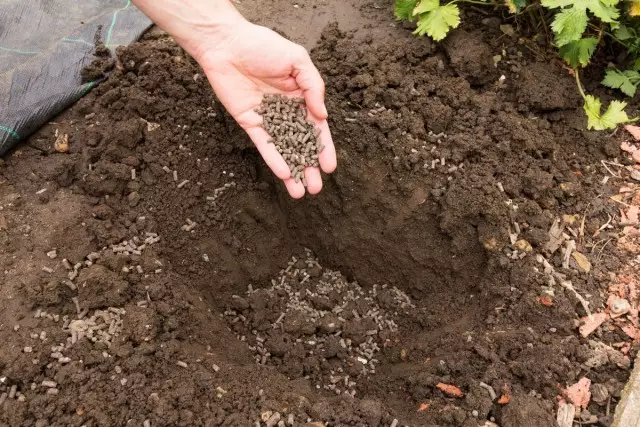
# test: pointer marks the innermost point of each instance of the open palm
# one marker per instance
(257, 62)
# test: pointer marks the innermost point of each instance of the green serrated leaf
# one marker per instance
(404, 9)
(571, 21)
(569, 24)
(426, 6)
(592, 107)
(606, 10)
(552, 4)
(627, 81)
(612, 117)
(615, 115)
(578, 53)
(437, 23)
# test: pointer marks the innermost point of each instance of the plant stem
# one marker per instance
(580, 89)
(608, 34)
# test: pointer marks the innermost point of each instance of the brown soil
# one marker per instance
(426, 135)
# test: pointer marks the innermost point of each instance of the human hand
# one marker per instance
(251, 61)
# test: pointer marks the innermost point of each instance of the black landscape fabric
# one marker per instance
(44, 44)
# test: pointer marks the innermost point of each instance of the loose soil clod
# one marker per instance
(295, 137)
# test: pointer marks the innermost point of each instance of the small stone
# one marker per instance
(507, 30)
(133, 198)
(599, 394)
(587, 417)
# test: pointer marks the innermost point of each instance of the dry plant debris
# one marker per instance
(295, 137)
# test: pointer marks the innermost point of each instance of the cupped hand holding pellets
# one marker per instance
(244, 62)
(260, 62)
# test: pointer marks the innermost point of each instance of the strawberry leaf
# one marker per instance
(578, 53)
(438, 22)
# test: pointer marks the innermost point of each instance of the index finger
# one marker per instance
(310, 82)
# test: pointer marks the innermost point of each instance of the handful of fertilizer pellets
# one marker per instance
(295, 137)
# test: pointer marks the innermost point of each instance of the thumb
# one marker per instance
(309, 80)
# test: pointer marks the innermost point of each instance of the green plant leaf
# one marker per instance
(515, 6)
(606, 10)
(578, 53)
(438, 22)
(627, 81)
(571, 21)
(426, 6)
(623, 33)
(569, 24)
(611, 118)
(552, 4)
(404, 9)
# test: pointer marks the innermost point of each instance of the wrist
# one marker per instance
(196, 25)
(211, 37)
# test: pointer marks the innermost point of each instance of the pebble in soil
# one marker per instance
(295, 137)
(313, 323)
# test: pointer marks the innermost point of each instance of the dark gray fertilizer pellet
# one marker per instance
(295, 137)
